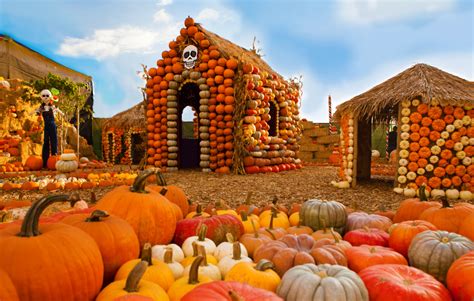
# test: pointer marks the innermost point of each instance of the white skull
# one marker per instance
(190, 54)
(46, 95)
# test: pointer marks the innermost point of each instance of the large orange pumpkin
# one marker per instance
(34, 162)
(8, 290)
(448, 218)
(403, 233)
(39, 258)
(149, 213)
(361, 257)
(460, 278)
(467, 227)
(173, 193)
(411, 209)
(116, 239)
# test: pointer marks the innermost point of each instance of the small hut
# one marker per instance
(435, 138)
(124, 136)
(247, 114)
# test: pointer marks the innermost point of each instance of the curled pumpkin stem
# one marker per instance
(97, 215)
(133, 279)
(140, 181)
(146, 254)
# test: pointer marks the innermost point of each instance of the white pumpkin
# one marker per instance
(420, 171)
(458, 146)
(465, 140)
(350, 165)
(402, 179)
(440, 142)
(405, 119)
(406, 103)
(406, 112)
(349, 180)
(409, 192)
(437, 193)
(349, 172)
(429, 167)
(461, 155)
(350, 122)
(411, 176)
(403, 153)
(350, 129)
(444, 134)
(375, 153)
(398, 190)
(227, 248)
(450, 128)
(405, 128)
(452, 194)
(350, 157)
(201, 239)
(205, 269)
(415, 102)
(66, 165)
(466, 120)
(402, 170)
(434, 159)
(467, 161)
(350, 149)
(435, 149)
(471, 141)
(458, 123)
(427, 193)
(158, 252)
(174, 266)
(465, 195)
(351, 142)
(405, 135)
(403, 162)
(343, 184)
(227, 262)
(404, 144)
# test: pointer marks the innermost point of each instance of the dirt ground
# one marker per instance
(311, 182)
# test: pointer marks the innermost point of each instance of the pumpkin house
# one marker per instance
(247, 114)
(124, 136)
(435, 138)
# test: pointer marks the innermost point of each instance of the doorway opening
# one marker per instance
(110, 141)
(137, 148)
(272, 123)
(188, 125)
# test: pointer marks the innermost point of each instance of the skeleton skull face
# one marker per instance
(46, 96)
(190, 54)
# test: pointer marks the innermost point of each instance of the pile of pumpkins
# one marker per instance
(319, 250)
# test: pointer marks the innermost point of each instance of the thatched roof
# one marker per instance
(420, 81)
(133, 117)
(228, 49)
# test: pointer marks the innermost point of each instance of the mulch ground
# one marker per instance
(311, 182)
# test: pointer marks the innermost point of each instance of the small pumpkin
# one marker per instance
(229, 261)
(367, 236)
(252, 241)
(229, 291)
(227, 248)
(174, 266)
(434, 251)
(403, 233)
(200, 239)
(259, 275)
(314, 212)
(208, 269)
(34, 162)
(358, 220)
(133, 285)
(393, 282)
(186, 283)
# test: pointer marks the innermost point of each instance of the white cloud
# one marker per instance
(164, 2)
(161, 16)
(377, 11)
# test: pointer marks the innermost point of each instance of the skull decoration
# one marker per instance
(46, 96)
(190, 54)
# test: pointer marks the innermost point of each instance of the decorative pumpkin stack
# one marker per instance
(67, 161)
(244, 108)
(347, 152)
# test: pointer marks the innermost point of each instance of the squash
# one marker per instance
(190, 259)
(229, 291)
(334, 214)
(361, 257)
(434, 251)
(227, 248)
(277, 232)
(252, 241)
(158, 252)
(367, 236)
(149, 213)
(359, 220)
(200, 239)
(412, 208)
(322, 282)
(186, 283)
(259, 275)
(227, 262)
(448, 218)
(8, 291)
(174, 266)
(247, 222)
(173, 193)
(116, 239)
(467, 227)
(72, 255)
(393, 282)
(207, 269)
(34, 162)
(403, 233)
(460, 278)
(157, 271)
(134, 285)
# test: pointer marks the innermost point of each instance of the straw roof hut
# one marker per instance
(247, 114)
(434, 114)
(123, 136)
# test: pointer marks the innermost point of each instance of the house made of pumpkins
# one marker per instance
(434, 111)
(247, 114)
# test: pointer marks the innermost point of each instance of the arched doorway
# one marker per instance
(272, 123)
(188, 110)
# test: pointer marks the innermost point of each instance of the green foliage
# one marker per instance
(72, 95)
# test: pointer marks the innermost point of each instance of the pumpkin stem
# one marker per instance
(160, 179)
(163, 191)
(198, 210)
(244, 216)
(195, 249)
(236, 251)
(445, 202)
(168, 257)
(235, 297)
(255, 231)
(264, 265)
(422, 193)
(93, 198)
(140, 181)
(202, 251)
(29, 227)
(336, 239)
(146, 253)
(97, 215)
(194, 270)
(202, 232)
(271, 233)
(322, 274)
(248, 198)
(133, 279)
(273, 215)
(372, 250)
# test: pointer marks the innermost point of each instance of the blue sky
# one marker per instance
(340, 47)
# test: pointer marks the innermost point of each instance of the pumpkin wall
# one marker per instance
(117, 144)
(233, 112)
(347, 148)
(436, 146)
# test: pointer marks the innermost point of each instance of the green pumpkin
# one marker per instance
(319, 214)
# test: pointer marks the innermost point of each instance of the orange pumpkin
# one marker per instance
(8, 291)
(34, 162)
(447, 217)
(173, 193)
(402, 234)
(438, 125)
(435, 112)
(411, 209)
(460, 278)
(361, 257)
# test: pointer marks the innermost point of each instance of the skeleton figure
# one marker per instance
(47, 110)
(190, 55)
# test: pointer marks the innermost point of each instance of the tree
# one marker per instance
(72, 97)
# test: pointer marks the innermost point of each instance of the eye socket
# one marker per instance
(186, 55)
(193, 53)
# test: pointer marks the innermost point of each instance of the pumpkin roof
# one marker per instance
(420, 81)
(229, 49)
(133, 117)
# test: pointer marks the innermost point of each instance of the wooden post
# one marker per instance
(356, 150)
(78, 135)
(397, 158)
(364, 148)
